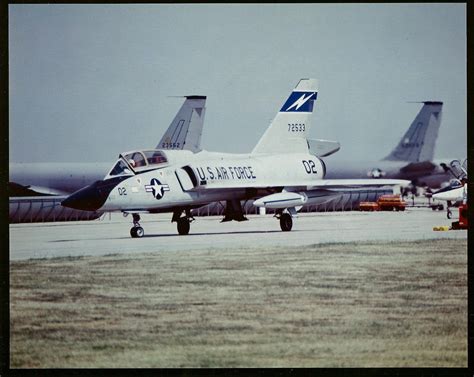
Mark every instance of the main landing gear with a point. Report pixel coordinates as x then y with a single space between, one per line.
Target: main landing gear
449 213
136 231
183 222
286 221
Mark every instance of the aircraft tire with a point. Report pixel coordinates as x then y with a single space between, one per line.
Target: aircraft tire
449 214
183 226
286 222
137 232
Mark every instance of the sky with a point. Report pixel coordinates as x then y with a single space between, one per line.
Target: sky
88 81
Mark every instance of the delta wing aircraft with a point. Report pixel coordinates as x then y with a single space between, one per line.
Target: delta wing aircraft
280 173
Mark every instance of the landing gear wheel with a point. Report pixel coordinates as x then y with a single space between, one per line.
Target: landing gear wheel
183 226
137 232
286 222
449 214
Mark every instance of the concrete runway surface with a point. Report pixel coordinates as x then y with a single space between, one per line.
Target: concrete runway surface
110 235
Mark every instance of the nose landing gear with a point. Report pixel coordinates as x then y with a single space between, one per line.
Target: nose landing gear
136 231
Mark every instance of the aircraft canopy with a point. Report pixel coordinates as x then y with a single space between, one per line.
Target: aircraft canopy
137 161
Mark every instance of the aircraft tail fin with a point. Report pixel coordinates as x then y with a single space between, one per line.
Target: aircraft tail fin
419 141
185 130
287 132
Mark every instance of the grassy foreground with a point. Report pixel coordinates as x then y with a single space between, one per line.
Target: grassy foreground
330 305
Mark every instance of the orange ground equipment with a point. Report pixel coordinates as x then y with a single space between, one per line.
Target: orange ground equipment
368 206
384 203
391 202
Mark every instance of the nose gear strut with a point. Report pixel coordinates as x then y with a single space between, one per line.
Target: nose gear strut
136 231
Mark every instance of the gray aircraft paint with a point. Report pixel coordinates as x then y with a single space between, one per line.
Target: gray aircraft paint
411 158
419 141
185 130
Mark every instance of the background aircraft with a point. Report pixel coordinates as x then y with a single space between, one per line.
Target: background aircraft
280 172
411 158
456 193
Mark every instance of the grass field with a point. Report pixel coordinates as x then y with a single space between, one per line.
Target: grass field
331 305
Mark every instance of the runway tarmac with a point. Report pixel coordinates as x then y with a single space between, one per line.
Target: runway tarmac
110 235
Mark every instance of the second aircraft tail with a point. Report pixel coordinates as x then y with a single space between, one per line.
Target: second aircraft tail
185 130
418 143
287 132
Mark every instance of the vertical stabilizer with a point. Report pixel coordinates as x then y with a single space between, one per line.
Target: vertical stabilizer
185 130
287 132
418 143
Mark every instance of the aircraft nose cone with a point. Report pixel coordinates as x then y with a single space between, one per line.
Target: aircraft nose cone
89 198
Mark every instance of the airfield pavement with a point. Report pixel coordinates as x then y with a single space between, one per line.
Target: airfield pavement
110 235
343 289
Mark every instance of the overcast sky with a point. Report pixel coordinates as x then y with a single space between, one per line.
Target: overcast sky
90 81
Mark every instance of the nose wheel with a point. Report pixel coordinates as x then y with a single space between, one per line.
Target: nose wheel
136 231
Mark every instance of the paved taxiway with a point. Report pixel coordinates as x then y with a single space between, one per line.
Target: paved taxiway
110 235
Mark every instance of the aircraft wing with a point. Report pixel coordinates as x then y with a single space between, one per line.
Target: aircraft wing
451 194
295 195
319 184
15 189
355 183
414 167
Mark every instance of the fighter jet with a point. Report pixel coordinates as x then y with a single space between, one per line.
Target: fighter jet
411 158
280 173
456 193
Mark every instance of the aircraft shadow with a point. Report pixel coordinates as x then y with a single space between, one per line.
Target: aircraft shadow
213 234
177 235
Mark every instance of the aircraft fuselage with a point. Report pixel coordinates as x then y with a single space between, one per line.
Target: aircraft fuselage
423 173
192 180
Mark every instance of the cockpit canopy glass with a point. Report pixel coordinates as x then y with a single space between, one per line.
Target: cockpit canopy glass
135 159
120 168
155 157
138 161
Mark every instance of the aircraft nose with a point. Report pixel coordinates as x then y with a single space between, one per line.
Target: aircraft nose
89 198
